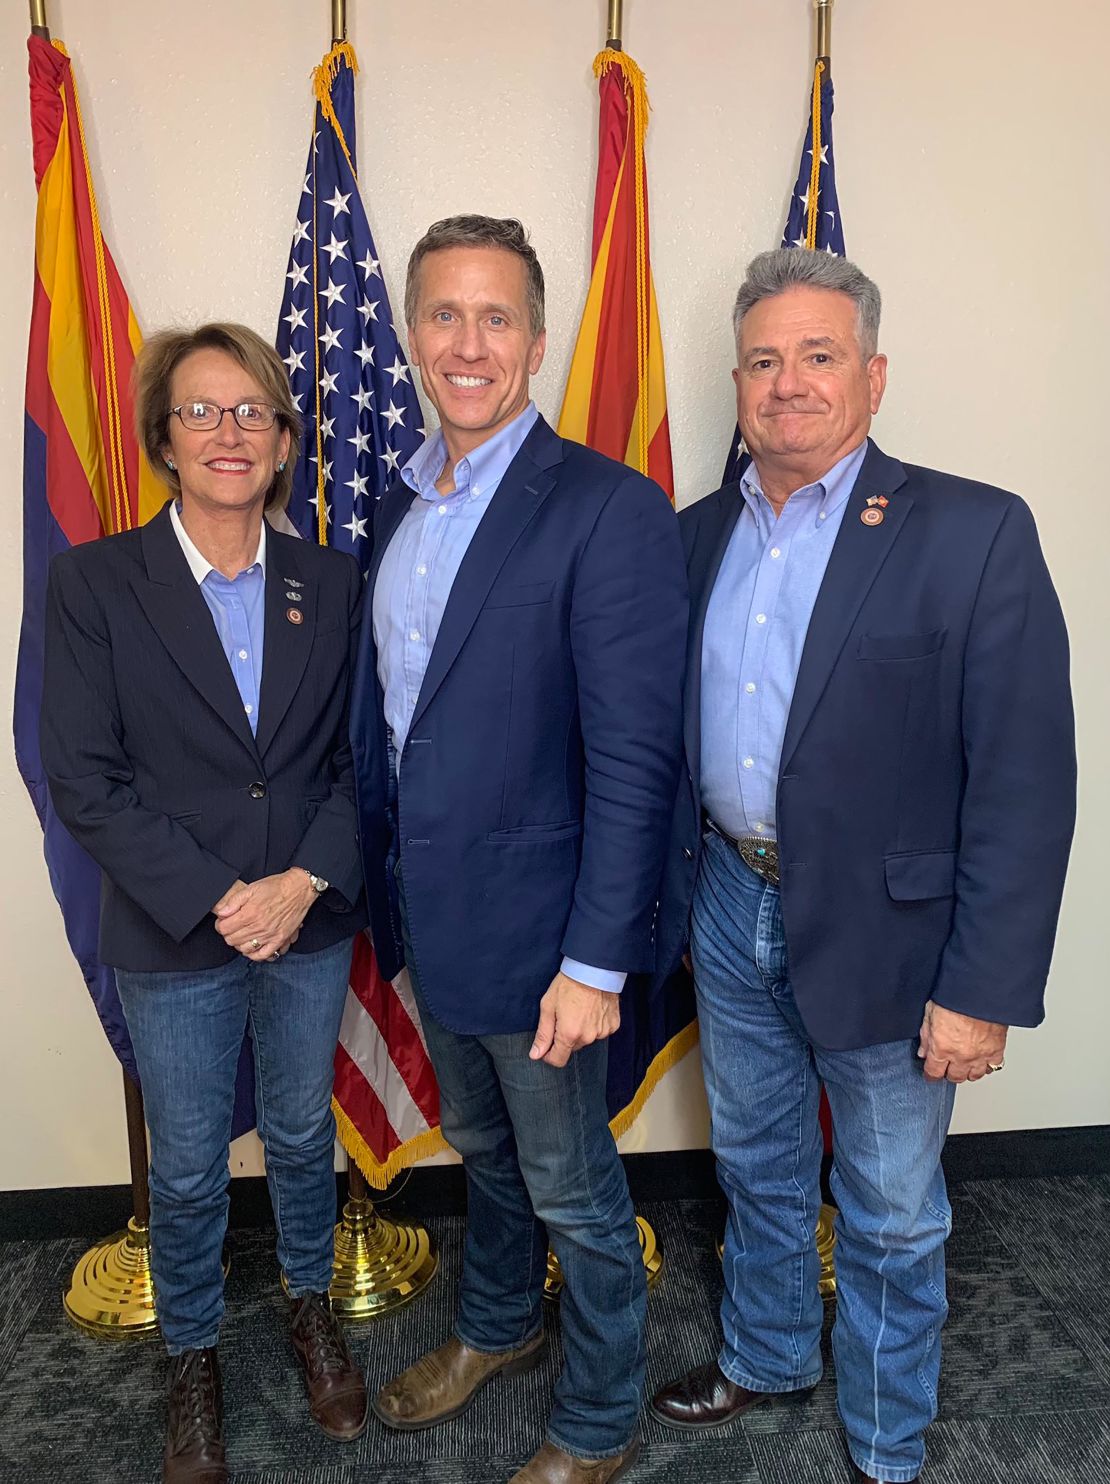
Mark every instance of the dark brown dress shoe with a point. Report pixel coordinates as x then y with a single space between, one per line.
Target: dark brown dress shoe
336 1388
552 1466
705 1397
857 1473
195 1428
444 1382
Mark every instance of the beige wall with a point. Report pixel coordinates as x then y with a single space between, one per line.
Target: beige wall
972 182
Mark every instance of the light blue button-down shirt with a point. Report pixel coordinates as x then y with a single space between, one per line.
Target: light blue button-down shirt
755 628
417 573
238 609
422 560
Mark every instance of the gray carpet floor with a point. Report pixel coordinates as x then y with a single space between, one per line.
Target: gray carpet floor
1025 1396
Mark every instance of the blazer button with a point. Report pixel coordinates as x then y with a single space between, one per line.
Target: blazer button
256 790
687 853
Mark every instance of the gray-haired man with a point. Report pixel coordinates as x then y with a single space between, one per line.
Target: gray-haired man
870 840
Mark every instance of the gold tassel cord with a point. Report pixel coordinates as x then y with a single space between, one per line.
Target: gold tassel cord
635 92
117 469
815 158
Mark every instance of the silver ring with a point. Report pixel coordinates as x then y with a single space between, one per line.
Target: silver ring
995 1066
274 957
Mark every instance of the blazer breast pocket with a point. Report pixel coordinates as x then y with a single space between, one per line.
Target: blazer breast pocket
901 646
522 595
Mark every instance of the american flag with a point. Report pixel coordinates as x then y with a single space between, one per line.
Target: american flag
813 219
362 422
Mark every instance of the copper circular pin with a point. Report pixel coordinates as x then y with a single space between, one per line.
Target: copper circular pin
294 615
871 516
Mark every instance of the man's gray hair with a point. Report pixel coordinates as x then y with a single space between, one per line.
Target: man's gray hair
479 231
785 268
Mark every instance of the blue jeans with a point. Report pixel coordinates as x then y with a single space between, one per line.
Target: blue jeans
187 1030
763 1076
537 1153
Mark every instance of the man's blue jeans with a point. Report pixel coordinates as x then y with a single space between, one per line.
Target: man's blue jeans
763 1077
187 1030
537 1153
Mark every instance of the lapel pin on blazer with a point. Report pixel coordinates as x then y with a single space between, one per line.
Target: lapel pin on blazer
873 514
294 615
292 582
294 597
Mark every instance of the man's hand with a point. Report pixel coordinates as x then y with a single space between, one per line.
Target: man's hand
573 1015
959 1047
268 912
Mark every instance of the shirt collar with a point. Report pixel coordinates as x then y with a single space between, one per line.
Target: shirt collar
830 491
480 471
199 565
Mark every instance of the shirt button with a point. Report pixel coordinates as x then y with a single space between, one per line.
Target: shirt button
442 509
823 515
760 828
248 708
475 491
750 688
749 762
775 552
761 618
421 571
243 654
414 635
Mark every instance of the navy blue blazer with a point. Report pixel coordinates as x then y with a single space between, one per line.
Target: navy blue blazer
537 779
150 758
926 793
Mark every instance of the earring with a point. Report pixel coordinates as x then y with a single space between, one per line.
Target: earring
281 467
171 465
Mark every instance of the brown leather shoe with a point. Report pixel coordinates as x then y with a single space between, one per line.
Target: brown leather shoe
552 1466
195 1429
705 1397
857 1473
336 1389
444 1382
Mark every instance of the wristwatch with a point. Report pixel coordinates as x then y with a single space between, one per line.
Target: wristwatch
319 885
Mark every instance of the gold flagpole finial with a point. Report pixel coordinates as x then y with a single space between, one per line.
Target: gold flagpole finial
38 19
338 21
824 26
616 25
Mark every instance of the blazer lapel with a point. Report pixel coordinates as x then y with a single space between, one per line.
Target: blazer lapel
857 555
287 638
704 564
525 486
175 606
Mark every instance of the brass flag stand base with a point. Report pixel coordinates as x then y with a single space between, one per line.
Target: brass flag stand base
111 1293
826 1251
379 1264
649 1247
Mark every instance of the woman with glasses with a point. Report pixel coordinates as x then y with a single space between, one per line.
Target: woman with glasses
194 731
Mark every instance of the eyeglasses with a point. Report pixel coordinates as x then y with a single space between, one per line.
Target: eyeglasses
203 417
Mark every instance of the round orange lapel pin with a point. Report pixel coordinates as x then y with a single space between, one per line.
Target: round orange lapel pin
294 615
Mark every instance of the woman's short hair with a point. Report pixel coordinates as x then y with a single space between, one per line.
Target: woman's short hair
152 378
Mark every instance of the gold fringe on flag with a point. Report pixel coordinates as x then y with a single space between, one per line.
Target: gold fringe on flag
814 157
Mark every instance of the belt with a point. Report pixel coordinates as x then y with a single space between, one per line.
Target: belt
760 855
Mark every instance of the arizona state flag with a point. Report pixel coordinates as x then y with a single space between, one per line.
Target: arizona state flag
616 402
83 473
616 396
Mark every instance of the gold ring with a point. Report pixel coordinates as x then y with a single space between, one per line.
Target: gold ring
256 944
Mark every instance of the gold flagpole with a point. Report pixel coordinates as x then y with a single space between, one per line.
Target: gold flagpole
38 19
615 26
338 21
824 10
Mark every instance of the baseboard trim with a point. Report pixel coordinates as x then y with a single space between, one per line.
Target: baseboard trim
688 1174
